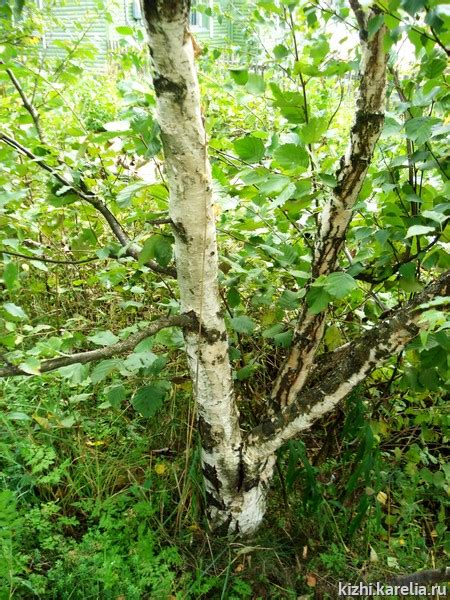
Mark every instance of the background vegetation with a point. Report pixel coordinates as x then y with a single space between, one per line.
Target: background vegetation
101 487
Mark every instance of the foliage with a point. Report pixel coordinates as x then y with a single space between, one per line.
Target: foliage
89 507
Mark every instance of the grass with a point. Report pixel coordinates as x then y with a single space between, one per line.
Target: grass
101 503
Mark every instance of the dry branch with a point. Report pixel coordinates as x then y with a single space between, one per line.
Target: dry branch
335 375
101 353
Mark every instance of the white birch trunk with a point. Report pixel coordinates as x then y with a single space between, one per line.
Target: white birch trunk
235 491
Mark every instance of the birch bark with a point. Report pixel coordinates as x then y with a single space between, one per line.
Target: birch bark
190 208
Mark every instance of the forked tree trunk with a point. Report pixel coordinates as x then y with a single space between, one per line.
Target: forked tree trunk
238 467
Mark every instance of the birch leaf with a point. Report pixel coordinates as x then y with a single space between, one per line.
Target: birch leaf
158 247
104 368
116 395
15 311
103 338
339 284
419 230
249 148
10 275
317 299
243 324
148 399
291 156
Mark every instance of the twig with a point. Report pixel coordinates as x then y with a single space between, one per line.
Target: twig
27 104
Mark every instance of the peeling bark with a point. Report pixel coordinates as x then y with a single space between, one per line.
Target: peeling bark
337 212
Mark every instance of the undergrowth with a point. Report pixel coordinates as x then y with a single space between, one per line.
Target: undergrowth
100 503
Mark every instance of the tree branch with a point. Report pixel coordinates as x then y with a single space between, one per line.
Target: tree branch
27 103
337 373
403 98
337 212
50 260
101 353
131 249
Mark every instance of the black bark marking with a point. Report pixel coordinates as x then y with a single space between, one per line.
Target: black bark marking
180 232
210 473
209 439
210 334
164 85
156 10
212 500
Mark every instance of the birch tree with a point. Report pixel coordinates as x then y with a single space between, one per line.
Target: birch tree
238 467
238 461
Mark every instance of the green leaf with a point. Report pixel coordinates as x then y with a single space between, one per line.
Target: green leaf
329 180
31 365
149 399
245 372
339 284
313 131
156 366
116 395
15 311
291 156
124 30
139 360
289 300
435 216
158 247
285 195
271 332
104 368
374 24
419 129
10 275
290 104
126 194
413 6
103 338
280 51
256 84
240 76
243 324
419 230
284 339
317 299
76 373
233 297
249 148
18 416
